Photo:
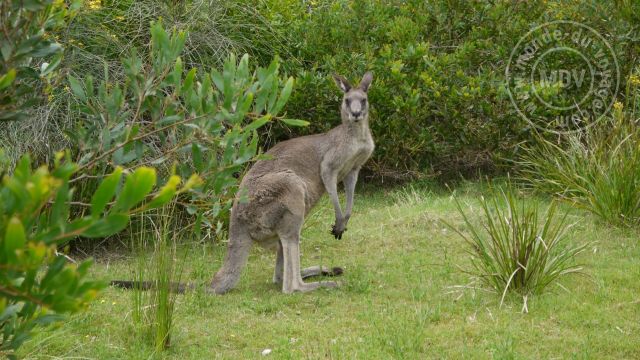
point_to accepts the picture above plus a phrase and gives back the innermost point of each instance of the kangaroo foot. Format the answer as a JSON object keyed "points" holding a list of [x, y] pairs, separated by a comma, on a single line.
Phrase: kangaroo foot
{"points": [[306, 287]]}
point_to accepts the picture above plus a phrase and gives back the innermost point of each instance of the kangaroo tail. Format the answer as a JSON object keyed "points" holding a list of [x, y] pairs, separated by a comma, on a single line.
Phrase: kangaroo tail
{"points": [[237, 253], [174, 287]]}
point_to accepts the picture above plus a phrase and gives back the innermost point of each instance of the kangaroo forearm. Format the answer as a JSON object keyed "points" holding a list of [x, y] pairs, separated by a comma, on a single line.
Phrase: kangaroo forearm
{"points": [[350, 187], [333, 195], [330, 180]]}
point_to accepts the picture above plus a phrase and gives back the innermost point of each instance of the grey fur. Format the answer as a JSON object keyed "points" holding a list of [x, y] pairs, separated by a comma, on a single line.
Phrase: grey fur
{"points": [[281, 191]]}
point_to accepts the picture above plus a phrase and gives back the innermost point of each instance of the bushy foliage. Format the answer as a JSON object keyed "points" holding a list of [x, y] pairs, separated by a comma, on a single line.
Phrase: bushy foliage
{"points": [[156, 114], [25, 43], [102, 32], [520, 247], [37, 284], [438, 101], [165, 115]]}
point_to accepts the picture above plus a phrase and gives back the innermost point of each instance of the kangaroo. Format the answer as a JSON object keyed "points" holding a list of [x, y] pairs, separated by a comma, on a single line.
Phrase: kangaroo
{"points": [[280, 192]]}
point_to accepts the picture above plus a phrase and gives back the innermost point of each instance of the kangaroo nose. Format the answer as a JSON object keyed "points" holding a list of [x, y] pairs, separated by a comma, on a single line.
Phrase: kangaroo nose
{"points": [[357, 114]]}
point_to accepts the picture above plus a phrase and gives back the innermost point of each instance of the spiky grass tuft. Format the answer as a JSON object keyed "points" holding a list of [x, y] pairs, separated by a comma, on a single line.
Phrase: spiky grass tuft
{"points": [[520, 248]]}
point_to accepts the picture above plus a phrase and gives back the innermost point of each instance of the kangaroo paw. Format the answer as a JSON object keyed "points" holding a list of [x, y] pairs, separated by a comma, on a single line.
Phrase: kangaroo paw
{"points": [[337, 233]]}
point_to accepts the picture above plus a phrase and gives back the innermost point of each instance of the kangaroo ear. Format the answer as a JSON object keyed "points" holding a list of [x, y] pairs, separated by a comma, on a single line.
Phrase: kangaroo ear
{"points": [[342, 83], [366, 81]]}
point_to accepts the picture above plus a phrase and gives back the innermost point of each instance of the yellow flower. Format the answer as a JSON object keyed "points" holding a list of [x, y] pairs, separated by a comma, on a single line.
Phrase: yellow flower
{"points": [[618, 106], [120, 18], [634, 80], [94, 4]]}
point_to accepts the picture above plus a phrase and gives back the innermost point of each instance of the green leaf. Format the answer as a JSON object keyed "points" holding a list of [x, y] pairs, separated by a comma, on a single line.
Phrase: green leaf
{"points": [[15, 237], [170, 119], [46, 50], [263, 94], [6, 48], [105, 192], [284, 96], [76, 88], [196, 155], [217, 80], [258, 123], [109, 225], [7, 79], [60, 207], [9, 311], [188, 80], [13, 115], [33, 5], [295, 122], [243, 68], [177, 73], [47, 68], [159, 36], [166, 193], [228, 74], [136, 187]]}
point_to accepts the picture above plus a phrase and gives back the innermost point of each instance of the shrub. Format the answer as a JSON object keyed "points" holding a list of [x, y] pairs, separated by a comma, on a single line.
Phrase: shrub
{"points": [[165, 115], [26, 39], [37, 285], [519, 248], [438, 104], [101, 33]]}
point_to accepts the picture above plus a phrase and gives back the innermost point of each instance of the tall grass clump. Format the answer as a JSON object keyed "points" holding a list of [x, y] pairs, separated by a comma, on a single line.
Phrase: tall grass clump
{"points": [[520, 247], [153, 310], [598, 169]]}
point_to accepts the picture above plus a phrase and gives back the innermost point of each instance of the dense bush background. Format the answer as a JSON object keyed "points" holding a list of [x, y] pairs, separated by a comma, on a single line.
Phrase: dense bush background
{"points": [[439, 104]]}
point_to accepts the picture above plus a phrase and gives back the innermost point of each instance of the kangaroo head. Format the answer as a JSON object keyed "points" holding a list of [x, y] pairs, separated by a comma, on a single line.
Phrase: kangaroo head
{"points": [[355, 106]]}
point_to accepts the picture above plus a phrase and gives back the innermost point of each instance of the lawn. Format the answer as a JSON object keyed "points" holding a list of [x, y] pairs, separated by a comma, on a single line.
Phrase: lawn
{"points": [[404, 295]]}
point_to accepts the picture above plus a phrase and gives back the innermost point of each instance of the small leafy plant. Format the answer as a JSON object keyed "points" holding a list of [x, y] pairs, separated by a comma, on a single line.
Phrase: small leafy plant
{"points": [[37, 283], [519, 248]]}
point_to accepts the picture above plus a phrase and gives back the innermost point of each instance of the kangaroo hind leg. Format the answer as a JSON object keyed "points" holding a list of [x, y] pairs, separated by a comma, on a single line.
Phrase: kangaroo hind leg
{"points": [[277, 273], [306, 272], [290, 242]]}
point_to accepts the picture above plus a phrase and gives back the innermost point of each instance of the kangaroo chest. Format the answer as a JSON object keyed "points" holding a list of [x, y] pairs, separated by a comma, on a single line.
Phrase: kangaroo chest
{"points": [[355, 155]]}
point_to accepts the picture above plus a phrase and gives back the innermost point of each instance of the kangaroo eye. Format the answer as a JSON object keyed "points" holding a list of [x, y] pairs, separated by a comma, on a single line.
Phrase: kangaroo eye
{"points": [[363, 102], [348, 102]]}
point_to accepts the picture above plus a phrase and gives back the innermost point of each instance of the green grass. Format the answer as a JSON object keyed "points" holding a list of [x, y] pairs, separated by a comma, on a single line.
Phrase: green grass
{"points": [[403, 296]]}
